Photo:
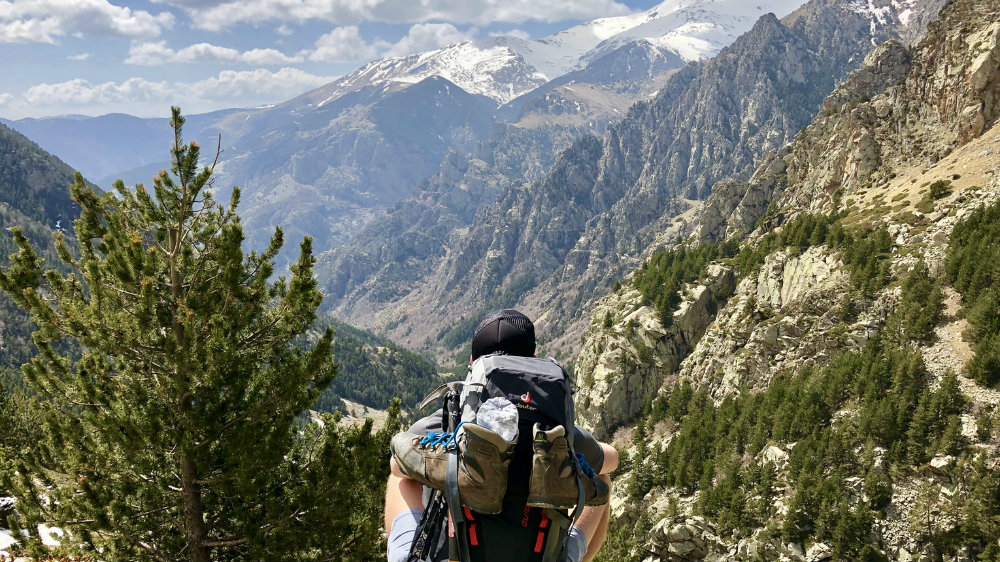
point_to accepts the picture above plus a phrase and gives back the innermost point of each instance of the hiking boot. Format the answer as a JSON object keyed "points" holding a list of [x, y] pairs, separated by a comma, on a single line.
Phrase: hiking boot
{"points": [[482, 469], [553, 479]]}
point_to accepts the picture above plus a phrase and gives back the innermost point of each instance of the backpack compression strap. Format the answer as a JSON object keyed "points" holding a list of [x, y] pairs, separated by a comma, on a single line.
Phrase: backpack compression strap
{"points": [[458, 547], [570, 440]]}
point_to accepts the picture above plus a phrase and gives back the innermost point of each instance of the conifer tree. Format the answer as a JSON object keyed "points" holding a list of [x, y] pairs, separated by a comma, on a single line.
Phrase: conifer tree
{"points": [[174, 436]]}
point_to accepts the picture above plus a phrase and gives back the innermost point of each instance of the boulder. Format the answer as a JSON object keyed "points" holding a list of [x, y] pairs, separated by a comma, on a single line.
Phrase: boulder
{"points": [[941, 465], [818, 552]]}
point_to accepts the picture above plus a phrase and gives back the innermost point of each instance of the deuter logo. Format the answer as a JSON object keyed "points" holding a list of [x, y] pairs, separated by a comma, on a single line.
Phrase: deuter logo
{"points": [[523, 401]]}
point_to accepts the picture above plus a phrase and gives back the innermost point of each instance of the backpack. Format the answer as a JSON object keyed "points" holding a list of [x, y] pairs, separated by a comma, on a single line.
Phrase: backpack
{"points": [[543, 393]]}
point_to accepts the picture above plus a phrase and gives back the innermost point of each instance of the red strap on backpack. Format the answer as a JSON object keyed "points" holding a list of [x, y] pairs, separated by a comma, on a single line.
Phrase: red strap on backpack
{"points": [[540, 541]]}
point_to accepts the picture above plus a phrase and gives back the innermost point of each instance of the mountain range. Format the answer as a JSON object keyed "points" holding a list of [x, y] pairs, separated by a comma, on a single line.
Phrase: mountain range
{"points": [[774, 280], [330, 161], [552, 245]]}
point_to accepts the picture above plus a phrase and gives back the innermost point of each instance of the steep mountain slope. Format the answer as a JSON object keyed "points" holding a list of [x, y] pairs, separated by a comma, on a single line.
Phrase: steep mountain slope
{"points": [[33, 182], [822, 390], [549, 245], [404, 244], [325, 169], [34, 195]]}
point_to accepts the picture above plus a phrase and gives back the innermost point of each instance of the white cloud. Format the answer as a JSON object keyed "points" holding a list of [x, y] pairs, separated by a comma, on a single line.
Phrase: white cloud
{"points": [[519, 33], [343, 44], [268, 57], [427, 37], [80, 56], [44, 21], [82, 93], [4, 98], [284, 30], [139, 96], [268, 86], [156, 53], [221, 14]]}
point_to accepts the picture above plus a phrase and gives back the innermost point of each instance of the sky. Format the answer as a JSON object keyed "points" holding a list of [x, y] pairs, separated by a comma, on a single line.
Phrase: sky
{"points": [[93, 57]]}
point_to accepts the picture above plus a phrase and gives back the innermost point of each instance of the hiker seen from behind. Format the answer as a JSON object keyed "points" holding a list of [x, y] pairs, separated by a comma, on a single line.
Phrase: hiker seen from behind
{"points": [[500, 472]]}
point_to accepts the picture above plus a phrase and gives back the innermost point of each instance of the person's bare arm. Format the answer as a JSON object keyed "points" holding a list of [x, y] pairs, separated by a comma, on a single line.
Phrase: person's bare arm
{"points": [[402, 493]]}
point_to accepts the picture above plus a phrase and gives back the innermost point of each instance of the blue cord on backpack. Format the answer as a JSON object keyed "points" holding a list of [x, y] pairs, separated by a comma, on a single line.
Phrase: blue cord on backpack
{"points": [[453, 435], [587, 470], [436, 438]]}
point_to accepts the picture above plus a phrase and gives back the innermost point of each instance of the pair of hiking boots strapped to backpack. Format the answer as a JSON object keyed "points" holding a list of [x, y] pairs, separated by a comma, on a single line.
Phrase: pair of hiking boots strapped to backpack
{"points": [[484, 458], [541, 391]]}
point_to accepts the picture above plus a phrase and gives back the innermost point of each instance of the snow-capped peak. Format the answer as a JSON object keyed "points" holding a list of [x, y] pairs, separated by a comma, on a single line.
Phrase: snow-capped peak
{"points": [[504, 68]]}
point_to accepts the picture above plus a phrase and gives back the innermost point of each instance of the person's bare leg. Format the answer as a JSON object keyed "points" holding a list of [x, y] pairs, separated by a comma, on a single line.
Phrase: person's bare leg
{"points": [[594, 519], [402, 493], [594, 524]]}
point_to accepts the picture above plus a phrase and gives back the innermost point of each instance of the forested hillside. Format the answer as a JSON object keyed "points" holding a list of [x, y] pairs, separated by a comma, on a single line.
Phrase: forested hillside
{"points": [[811, 374], [34, 195]]}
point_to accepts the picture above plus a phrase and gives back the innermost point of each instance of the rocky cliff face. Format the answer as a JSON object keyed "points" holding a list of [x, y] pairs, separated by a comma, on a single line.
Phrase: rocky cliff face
{"points": [[908, 120], [890, 115], [629, 355]]}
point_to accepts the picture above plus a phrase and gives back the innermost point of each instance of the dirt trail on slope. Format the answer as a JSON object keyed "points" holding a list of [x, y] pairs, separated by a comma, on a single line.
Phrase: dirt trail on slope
{"points": [[950, 351]]}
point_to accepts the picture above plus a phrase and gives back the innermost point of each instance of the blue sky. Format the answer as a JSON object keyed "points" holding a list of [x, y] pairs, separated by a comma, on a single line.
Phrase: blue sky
{"points": [[94, 57]]}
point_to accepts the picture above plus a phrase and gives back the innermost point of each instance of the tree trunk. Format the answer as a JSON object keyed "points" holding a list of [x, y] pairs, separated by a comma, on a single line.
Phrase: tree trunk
{"points": [[194, 521]]}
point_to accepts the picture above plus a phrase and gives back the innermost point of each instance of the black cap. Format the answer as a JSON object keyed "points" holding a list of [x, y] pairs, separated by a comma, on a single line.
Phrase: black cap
{"points": [[507, 331]]}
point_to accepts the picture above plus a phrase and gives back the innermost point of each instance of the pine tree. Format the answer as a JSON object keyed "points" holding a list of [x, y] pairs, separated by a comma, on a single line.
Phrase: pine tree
{"points": [[174, 436]]}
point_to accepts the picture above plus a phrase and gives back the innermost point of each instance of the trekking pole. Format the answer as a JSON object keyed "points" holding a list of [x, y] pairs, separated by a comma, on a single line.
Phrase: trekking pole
{"points": [[457, 549], [429, 530]]}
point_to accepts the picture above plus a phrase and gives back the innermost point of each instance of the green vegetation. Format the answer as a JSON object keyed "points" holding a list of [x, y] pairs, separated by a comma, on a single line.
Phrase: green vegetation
{"points": [[176, 434], [919, 309], [18, 417], [940, 189], [867, 253], [660, 279], [461, 332], [899, 422], [973, 267], [937, 190], [372, 370]]}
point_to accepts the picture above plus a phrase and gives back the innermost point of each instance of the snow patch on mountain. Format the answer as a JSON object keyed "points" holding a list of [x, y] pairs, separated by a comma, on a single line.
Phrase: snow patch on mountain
{"points": [[880, 12]]}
